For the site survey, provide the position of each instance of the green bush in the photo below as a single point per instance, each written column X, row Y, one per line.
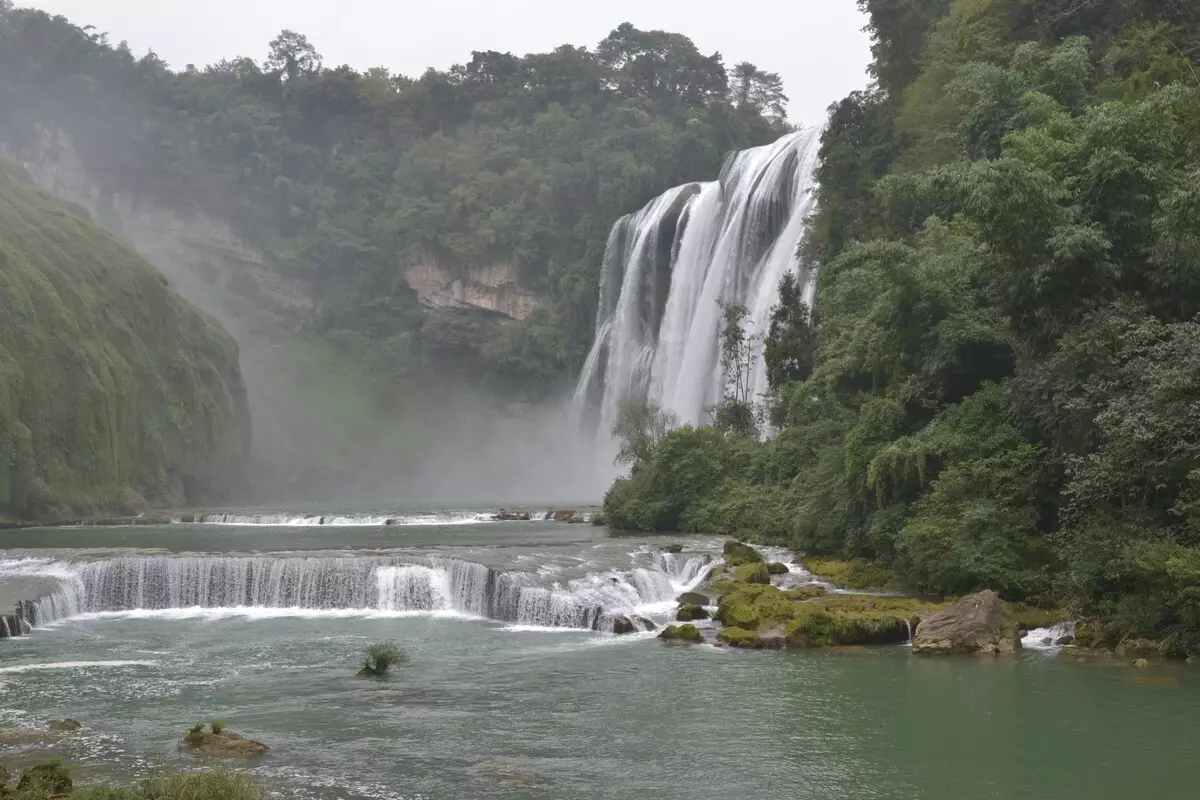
column 378, row 658
column 218, row 726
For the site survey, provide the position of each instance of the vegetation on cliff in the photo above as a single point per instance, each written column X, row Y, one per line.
column 114, row 392
column 343, row 177
column 997, row 387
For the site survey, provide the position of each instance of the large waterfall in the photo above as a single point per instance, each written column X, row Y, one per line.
column 356, row 585
column 668, row 266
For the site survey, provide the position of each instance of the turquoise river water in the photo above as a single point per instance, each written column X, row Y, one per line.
column 515, row 688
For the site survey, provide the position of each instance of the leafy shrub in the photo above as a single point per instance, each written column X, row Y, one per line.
column 218, row 725
column 378, row 658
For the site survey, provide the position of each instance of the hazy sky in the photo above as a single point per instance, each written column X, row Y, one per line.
column 817, row 45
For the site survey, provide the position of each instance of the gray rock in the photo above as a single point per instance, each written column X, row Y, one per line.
column 977, row 623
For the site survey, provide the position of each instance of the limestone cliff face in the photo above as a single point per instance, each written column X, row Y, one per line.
column 494, row 287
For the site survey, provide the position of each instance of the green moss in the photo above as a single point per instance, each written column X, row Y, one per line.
column 807, row 592
column 681, row 633
column 752, row 573
column 738, row 637
column 855, row 619
column 114, row 392
column 737, row 554
column 854, row 574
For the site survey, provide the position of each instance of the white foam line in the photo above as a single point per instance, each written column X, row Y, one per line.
column 255, row 613
column 76, row 665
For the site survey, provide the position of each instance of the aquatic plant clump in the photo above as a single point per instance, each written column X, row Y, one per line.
column 380, row 657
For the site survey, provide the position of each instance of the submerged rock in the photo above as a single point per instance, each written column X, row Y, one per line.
column 1141, row 662
column 623, row 625
column 977, row 623
column 64, row 725
column 673, row 548
column 737, row 554
column 692, row 599
column 691, row 612
column 681, row 633
column 224, row 744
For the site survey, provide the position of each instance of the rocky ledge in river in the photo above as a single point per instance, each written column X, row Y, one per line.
column 222, row 743
column 977, row 623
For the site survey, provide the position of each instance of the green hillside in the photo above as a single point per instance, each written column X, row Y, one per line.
column 999, row 385
column 114, row 392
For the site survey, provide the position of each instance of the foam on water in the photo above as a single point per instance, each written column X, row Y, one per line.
column 75, row 665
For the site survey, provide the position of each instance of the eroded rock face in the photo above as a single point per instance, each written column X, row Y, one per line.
column 494, row 287
column 978, row 623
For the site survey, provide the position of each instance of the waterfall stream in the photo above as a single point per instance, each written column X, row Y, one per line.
column 668, row 266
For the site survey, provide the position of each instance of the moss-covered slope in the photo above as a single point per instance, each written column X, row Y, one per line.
column 114, row 392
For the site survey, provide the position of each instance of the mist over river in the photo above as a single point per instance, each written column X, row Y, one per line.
column 516, row 687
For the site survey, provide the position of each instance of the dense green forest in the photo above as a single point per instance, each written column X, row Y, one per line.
column 341, row 178
column 114, row 392
column 999, row 384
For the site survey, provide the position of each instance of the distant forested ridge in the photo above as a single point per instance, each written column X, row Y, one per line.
column 344, row 177
column 114, row 392
column 999, row 384
column 301, row 202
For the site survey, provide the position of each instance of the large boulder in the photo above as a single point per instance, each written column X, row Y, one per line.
column 689, row 613
column 737, row 554
column 778, row 568
column 978, row 623
column 509, row 515
column 623, row 625
column 692, row 599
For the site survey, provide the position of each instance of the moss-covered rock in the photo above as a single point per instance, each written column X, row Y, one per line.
column 691, row 612
column 737, row 554
column 224, row 743
column 777, row 568
column 751, row 573
column 856, row 573
column 855, row 620
column 737, row 637
column 114, row 392
column 806, row 592
column 681, row 633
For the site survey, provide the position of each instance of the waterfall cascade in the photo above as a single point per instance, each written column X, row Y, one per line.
column 667, row 266
column 356, row 584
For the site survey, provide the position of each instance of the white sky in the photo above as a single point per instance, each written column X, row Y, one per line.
column 816, row 45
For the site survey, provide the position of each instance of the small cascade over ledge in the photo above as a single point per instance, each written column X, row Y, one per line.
column 668, row 266
column 353, row 584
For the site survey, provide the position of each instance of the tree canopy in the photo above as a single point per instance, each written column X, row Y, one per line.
column 996, row 386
